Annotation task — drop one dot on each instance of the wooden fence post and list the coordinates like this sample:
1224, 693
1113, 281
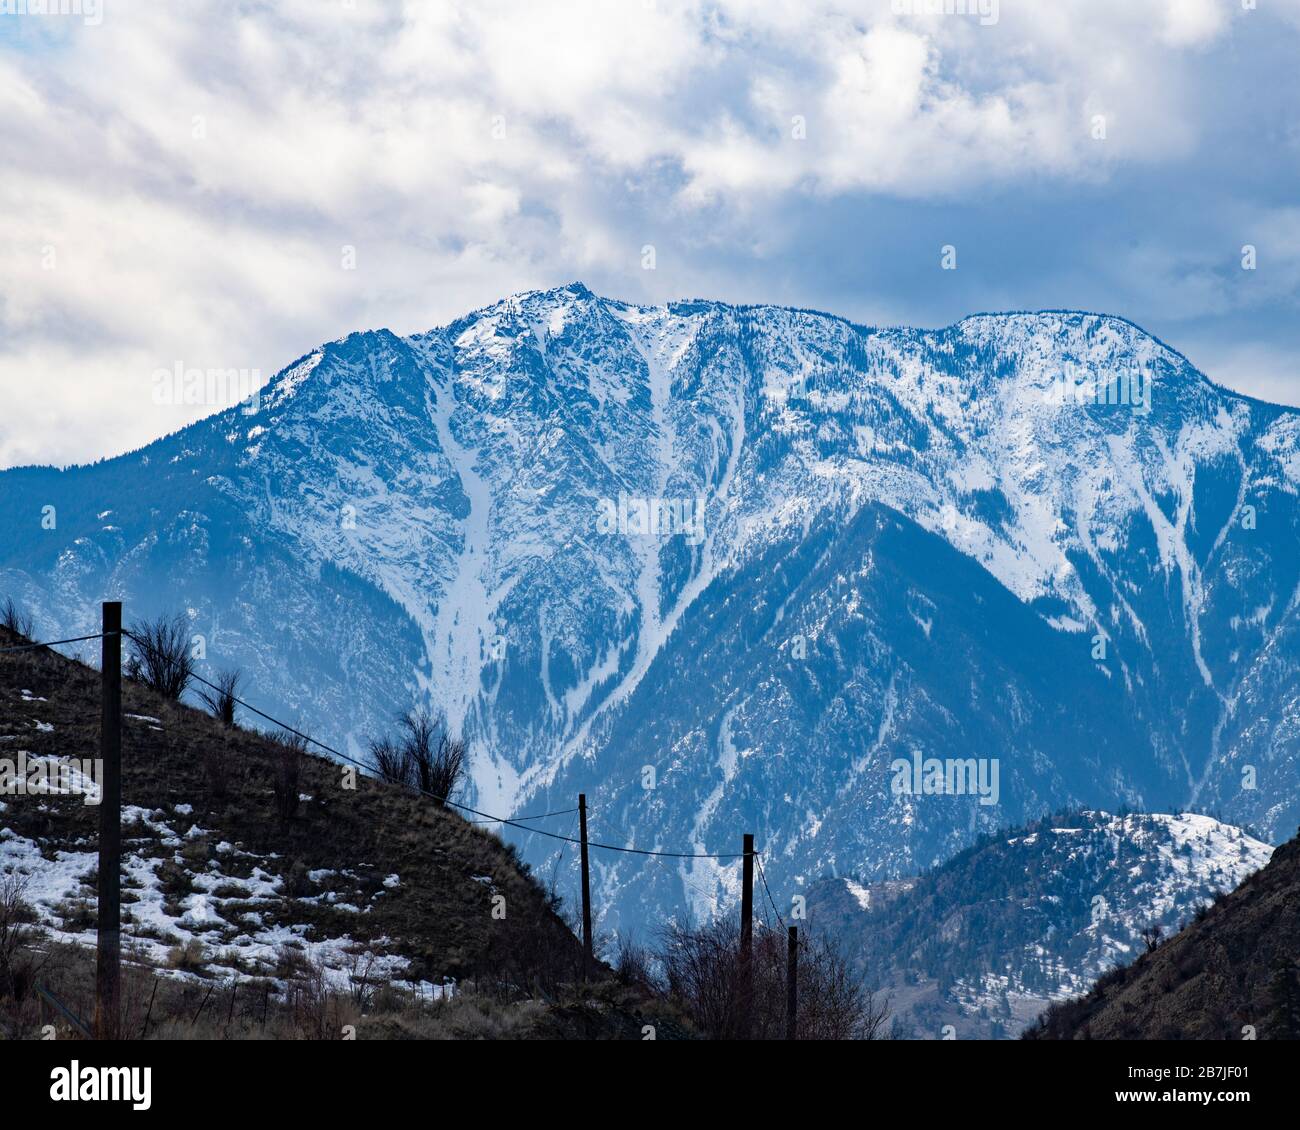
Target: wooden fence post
792, 985
587, 959
108, 960
747, 937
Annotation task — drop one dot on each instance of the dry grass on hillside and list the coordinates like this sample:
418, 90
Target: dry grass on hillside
398, 877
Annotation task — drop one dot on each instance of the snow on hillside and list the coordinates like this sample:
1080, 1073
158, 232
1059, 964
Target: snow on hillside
954, 542
60, 888
989, 938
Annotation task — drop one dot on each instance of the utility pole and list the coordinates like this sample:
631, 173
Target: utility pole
586, 891
747, 936
792, 985
108, 961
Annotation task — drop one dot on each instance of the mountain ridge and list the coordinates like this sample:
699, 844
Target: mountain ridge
472, 575
580, 288
1030, 916
684, 302
1233, 973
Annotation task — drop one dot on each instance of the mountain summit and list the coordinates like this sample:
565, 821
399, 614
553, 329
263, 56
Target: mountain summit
735, 568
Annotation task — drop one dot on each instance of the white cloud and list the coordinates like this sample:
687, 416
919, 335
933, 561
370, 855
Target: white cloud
198, 169
1258, 370
1194, 23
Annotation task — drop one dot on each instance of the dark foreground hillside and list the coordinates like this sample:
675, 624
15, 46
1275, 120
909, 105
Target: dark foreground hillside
254, 879
1233, 973
269, 893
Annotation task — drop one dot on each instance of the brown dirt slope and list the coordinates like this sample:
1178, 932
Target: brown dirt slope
214, 790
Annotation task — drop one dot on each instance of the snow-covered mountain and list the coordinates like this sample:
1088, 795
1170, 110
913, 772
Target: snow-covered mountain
987, 940
722, 567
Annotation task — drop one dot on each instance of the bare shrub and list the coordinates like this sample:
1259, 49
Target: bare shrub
220, 698
449, 767
316, 1010
703, 974
188, 957
632, 964
17, 621
424, 755
362, 980
834, 1002
389, 761
419, 742
437, 759
160, 655
16, 932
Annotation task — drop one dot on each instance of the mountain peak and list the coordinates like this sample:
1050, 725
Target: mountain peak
556, 515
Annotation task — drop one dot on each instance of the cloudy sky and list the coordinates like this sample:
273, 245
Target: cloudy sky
180, 181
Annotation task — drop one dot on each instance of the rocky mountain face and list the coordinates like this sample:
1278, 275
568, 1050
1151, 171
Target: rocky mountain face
981, 945
1233, 973
867, 593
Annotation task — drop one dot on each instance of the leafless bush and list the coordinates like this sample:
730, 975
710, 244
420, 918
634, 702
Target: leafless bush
317, 1011
632, 964
220, 698
449, 767
189, 956
419, 744
702, 972
424, 755
390, 761
16, 918
17, 621
288, 774
437, 759
362, 980
160, 655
